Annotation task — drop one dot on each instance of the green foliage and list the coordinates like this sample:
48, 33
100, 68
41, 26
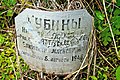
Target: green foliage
100, 15
1, 39
103, 27
100, 76
118, 73
8, 59
105, 77
6, 10
116, 22
9, 69
10, 13
6, 65
93, 78
118, 2
8, 3
117, 12
106, 36
46, 1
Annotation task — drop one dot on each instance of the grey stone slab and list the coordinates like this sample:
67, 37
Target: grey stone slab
53, 41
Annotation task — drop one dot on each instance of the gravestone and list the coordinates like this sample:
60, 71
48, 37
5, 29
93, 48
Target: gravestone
53, 41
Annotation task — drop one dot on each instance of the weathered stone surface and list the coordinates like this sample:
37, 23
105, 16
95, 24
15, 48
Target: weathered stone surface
53, 41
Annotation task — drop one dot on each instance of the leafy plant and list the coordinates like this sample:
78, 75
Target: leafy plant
10, 13
118, 73
118, 2
116, 22
93, 78
1, 39
102, 26
106, 36
100, 76
8, 3
99, 15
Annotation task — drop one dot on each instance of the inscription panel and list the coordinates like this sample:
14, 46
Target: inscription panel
53, 41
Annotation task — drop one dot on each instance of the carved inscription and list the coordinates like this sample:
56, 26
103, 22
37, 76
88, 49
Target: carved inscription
60, 39
50, 24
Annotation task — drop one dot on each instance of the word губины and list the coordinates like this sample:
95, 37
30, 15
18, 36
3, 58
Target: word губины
49, 24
